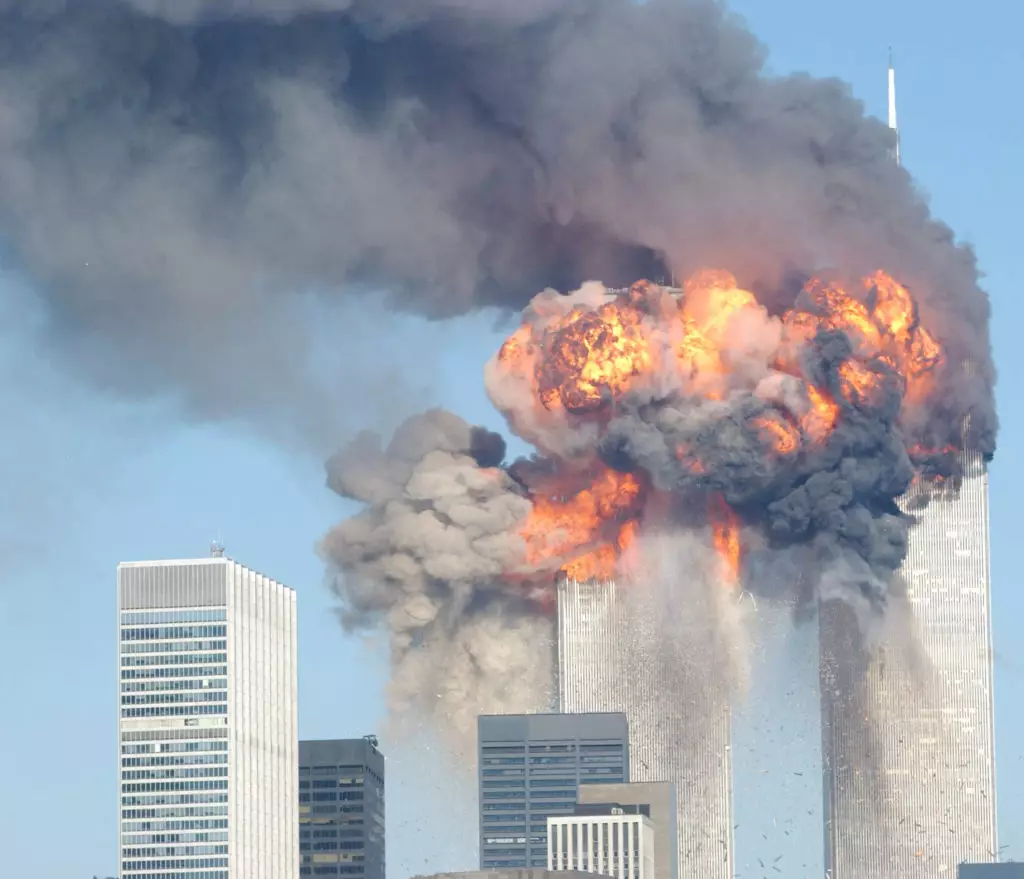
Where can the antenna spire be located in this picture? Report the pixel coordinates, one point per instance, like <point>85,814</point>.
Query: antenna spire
<point>892,107</point>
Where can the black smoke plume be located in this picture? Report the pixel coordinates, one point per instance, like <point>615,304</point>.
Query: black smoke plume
<point>176,176</point>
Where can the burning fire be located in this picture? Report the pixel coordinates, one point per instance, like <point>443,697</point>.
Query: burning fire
<point>725,528</point>
<point>587,528</point>
<point>574,357</point>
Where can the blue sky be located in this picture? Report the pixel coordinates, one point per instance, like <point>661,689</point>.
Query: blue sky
<point>90,480</point>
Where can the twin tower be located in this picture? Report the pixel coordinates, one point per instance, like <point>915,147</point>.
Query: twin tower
<point>908,773</point>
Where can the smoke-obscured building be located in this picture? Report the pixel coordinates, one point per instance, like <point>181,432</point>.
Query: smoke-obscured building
<point>611,657</point>
<point>531,766</point>
<point>207,722</point>
<point>341,808</point>
<point>909,773</point>
<point>609,839</point>
<point>659,798</point>
<point>990,871</point>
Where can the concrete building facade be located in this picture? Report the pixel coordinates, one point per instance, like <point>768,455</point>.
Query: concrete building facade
<point>659,798</point>
<point>207,722</point>
<point>530,768</point>
<point>613,841</point>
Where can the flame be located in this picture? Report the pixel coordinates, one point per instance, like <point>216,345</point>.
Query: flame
<point>725,529</point>
<point>592,355</point>
<point>582,531</point>
<point>778,433</point>
<point>575,357</point>
<point>821,417</point>
<point>859,385</point>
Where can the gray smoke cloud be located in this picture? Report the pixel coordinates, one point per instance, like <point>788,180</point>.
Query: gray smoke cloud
<point>176,175</point>
<point>836,501</point>
<point>428,559</point>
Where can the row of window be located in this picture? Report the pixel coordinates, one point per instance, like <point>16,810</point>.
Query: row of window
<point>329,782</point>
<point>513,840</point>
<point>165,747</point>
<point>184,772</point>
<point>568,748</point>
<point>195,811</point>
<point>177,786</point>
<point>355,769</point>
<point>329,870</point>
<point>550,807</point>
<point>173,647</point>
<point>172,659</point>
<point>174,710</point>
<point>155,838</point>
<point>331,809</point>
<point>166,686</point>
<point>180,760</point>
<point>331,796</point>
<point>205,615</point>
<point>188,824</point>
<point>329,832</point>
<point>170,633</point>
<point>153,677</point>
<point>163,698</point>
<point>172,800</point>
<point>205,874</point>
<point>190,864</point>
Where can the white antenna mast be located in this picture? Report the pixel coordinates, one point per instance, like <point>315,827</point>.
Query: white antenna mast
<point>892,107</point>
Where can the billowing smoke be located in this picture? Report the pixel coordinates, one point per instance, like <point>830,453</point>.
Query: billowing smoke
<point>432,557</point>
<point>178,177</point>
<point>181,179</point>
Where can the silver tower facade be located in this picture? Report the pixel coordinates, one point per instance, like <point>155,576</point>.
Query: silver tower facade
<point>612,657</point>
<point>909,771</point>
<point>907,728</point>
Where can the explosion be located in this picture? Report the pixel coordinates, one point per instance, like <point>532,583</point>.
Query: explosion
<point>839,357</point>
<point>774,437</point>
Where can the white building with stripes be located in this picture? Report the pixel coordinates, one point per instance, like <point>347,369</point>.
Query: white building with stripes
<point>207,722</point>
<point>618,845</point>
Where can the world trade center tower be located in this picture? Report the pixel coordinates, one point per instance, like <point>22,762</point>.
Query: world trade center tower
<point>615,654</point>
<point>907,727</point>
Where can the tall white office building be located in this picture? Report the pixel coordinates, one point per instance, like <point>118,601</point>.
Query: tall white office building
<point>207,729</point>
<point>618,653</point>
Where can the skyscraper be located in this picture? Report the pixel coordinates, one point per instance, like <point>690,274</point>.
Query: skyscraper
<point>907,729</point>
<point>207,723</point>
<point>613,657</point>
<point>531,766</point>
<point>341,808</point>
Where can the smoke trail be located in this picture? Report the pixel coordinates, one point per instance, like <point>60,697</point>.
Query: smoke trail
<point>173,173</point>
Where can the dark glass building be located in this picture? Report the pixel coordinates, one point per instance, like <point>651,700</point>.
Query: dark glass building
<point>341,808</point>
<point>530,767</point>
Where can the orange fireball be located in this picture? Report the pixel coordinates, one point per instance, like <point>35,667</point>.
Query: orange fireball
<point>575,358</point>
